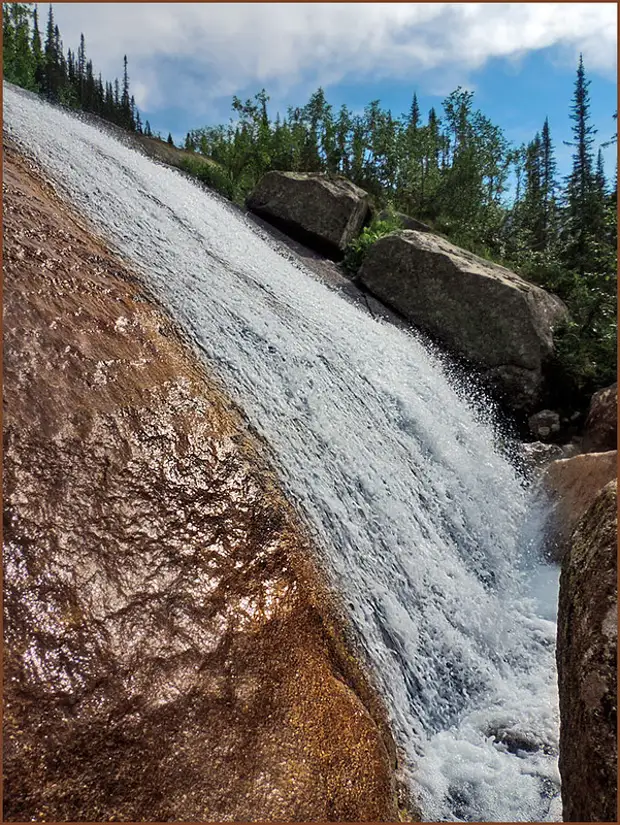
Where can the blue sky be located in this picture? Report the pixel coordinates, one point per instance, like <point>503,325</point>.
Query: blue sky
<point>187,60</point>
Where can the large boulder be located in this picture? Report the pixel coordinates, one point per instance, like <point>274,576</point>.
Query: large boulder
<point>586,654</point>
<point>323,212</point>
<point>573,484</point>
<point>478,309</point>
<point>601,427</point>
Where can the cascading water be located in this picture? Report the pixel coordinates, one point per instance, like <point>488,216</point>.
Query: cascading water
<point>422,520</point>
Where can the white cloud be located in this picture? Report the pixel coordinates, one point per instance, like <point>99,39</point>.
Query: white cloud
<point>190,54</point>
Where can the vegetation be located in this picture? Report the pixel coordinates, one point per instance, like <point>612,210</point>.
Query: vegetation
<point>68,79</point>
<point>454,169</point>
<point>378,227</point>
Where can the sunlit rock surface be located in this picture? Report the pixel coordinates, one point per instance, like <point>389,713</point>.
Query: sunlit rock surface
<point>587,653</point>
<point>169,651</point>
<point>573,484</point>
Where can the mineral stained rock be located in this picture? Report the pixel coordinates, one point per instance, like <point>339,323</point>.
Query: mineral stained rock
<point>171,653</point>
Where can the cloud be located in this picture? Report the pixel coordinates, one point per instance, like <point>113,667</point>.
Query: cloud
<point>192,54</point>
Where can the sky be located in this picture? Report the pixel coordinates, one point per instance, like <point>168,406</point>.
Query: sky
<point>187,60</point>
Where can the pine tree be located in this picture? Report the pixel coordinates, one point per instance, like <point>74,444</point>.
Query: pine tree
<point>127,120</point>
<point>81,69</point>
<point>147,129</point>
<point>89,88</point>
<point>343,133</point>
<point>581,195</point>
<point>37,52</point>
<point>533,207</point>
<point>51,68</point>
<point>434,137</point>
<point>548,184</point>
<point>600,181</point>
<point>116,109</point>
<point>134,114</point>
<point>8,43</point>
<point>170,141</point>
<point>414,114</point>
<point>23,68</point>
<point>99,96</point>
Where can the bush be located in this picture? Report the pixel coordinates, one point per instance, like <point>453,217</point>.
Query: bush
<point>586,344</point>
<point>356,251</point>
<point>210,174</point>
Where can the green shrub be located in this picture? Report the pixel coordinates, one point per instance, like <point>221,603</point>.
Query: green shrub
<point>357,249</point>
<point>586,343</point>
<point>210,174</point>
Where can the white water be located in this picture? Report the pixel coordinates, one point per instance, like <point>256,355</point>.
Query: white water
<point>422,521</point>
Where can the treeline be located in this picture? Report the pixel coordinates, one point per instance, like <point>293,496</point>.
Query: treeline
<point>40,64</point>
<point>453,169</point>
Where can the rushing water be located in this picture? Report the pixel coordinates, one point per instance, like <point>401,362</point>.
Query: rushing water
<point>424,523</point>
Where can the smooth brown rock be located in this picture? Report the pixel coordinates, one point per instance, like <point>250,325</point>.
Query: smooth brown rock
<point>171,652</point>
<point>601,427</point>
<point>476,308</point>
<point>573,484</point>
<point>323,212</point>
<point>586,654</point>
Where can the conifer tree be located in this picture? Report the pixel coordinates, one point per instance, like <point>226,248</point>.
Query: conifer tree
<point>81,68</point>
<point>601,183</point>
<point>581,190</point>
<point>37,52</point>
<point>52,66</point>
<point>24,67</point>
<point>549,184</point>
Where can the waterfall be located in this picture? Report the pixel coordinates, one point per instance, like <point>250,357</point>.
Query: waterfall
<point>424,526</point>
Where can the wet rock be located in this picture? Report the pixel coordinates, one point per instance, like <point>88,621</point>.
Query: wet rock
<point>478,309</point>
<point>171,652</point>
<point>544,424</point>
<point>571,449</point>
<point>518,741</point>
<point>587,665</point>
<point>324,212</point>
<point>573,484</point>
<point>601,427</point>
<point>537,455</point>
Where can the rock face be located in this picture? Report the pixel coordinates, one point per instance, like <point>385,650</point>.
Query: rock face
<point>573,484</point>
<point>601,428</point>
<point>587,665</point>
<point>170,651</point>
<point>479,310</point>
<point>325,213</point>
